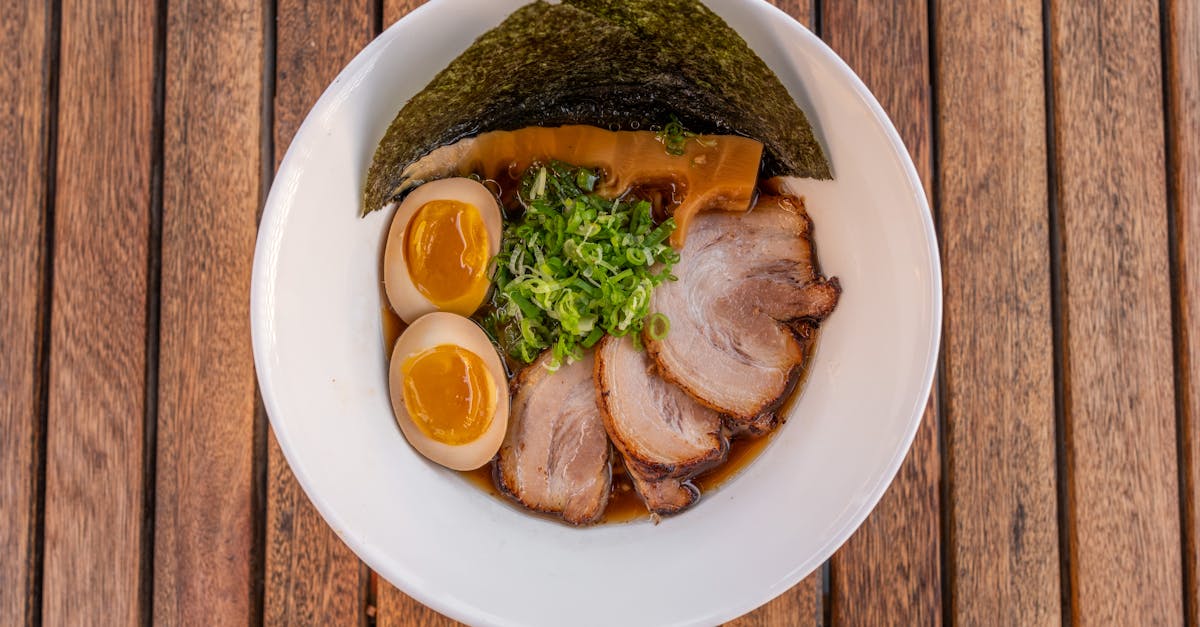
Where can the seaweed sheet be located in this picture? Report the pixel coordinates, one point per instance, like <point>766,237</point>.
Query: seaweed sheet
<point>617,64</point>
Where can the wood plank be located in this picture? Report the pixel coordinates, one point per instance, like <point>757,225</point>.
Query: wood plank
<point>1183,109</point>
<point>1124,532</point>
<point>94,441</point>
<point>24,86</point>
<point>396,609</point>
<point>797,607</point>
<point>889,571</point>
<point>393,10</point>
<point>205,521</point>
<point>998,370</point>
<point>312,578</point>
<point>802,604</point>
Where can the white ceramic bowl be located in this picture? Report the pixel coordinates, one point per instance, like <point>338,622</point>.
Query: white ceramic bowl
<point>318,350</point>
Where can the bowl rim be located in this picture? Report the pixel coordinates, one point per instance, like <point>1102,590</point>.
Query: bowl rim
<point>273,215</point>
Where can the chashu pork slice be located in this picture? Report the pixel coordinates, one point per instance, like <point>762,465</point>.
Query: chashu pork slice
<point>664,436</point>
<point>555,455</point>
<point>749,296</point>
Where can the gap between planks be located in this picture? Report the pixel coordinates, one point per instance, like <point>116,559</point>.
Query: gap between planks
<point>1062,463</point>
<point>1180,31</point>
<point>53,54</point>
<point>153,328</point>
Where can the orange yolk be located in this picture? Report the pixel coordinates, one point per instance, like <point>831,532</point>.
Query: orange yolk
<point>449,393</point>
<point>446,251</point>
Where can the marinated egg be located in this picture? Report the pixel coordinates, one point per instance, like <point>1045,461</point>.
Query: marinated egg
<point>439,248</point>
<point>449,391</point>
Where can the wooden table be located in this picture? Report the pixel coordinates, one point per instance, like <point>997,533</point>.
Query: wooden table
<point>1054,478</point>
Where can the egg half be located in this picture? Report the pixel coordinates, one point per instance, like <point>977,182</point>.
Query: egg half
<point>443,238</point>
<point>449,391</point>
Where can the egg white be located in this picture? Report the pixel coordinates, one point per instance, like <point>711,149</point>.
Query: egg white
<point>436,329</point>
<point>404,297</point>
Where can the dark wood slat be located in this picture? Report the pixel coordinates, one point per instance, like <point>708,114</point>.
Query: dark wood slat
<point>1002,553</point>
<point>889,571</point>
<point>802,11</point>
<point>797,607</point>
<point>205,523</point>
<point>396,609</point>
<point>312,578</point>
<point>94,440</point>
<point>802,604</point>
<point>1119,409</point>
<point>393,10</point>
<point>1183,99</point>
<point>24,87</point>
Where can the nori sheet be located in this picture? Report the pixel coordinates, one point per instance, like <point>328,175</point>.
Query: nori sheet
<point>608,63</point>
<point>697,43</point>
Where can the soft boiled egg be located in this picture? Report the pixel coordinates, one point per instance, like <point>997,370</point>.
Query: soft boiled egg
<point>449,391</point>
<point>443,238</point>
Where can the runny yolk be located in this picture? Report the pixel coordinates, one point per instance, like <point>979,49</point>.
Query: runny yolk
<point>449,393</point>
<point>446,251</point>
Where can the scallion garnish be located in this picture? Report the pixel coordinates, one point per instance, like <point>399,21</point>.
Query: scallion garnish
<point>577,266</point>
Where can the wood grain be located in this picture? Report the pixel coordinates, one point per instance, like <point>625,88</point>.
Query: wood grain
<point>396,609</point>
<point>393,10</point>
<point>94,440</point>
<point>1183,110</point>
<point>801,10</point>
<point>797,607</point>
<point>312,578</point>
<point>24,87</point>
<point>889,571</point>
<point>802,604</point>
<point>998,360</point>
<point>1124,534</point>
<point>204,532</point>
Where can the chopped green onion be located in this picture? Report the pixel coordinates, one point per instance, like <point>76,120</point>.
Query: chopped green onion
<point>575,267</point>
<point>657,326</point>
<point>675,138</point>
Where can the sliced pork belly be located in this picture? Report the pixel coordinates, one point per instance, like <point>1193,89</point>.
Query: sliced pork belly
<point>747,300</point>
<point>555,455</point>
<point>664,436</point>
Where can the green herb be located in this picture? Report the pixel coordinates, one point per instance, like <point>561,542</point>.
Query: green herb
<point>675,137</point>
<point>576,266</point>
<point>658,325</point>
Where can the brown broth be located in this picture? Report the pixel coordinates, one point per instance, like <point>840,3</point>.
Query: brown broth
<point>393,326</point>
<point>742,451</point>
<point>624,504</point>
<point>482,478</point>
